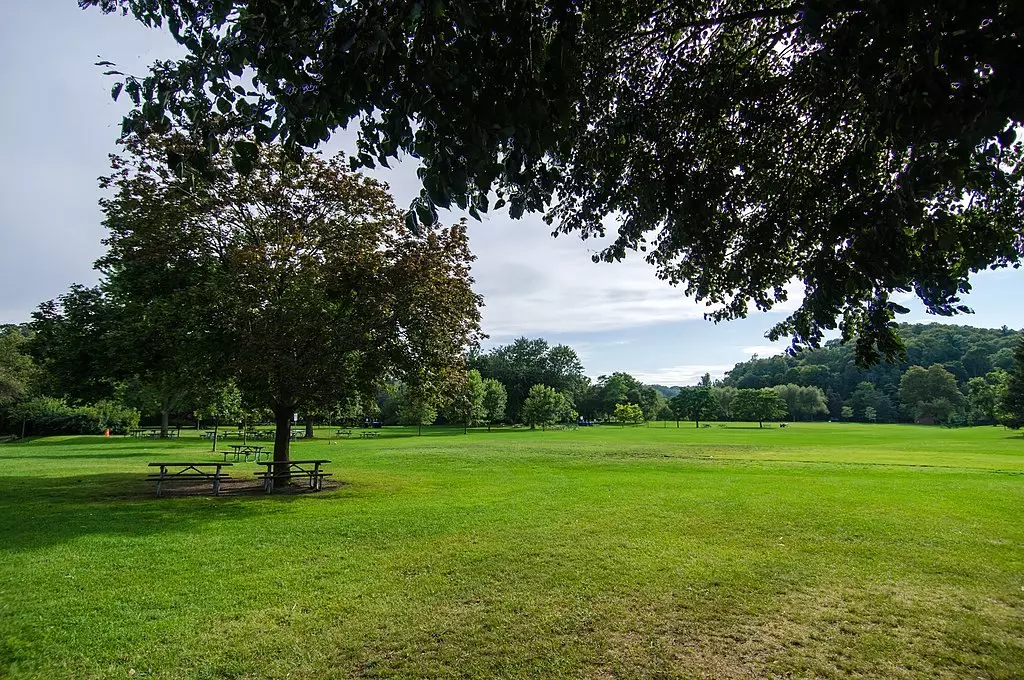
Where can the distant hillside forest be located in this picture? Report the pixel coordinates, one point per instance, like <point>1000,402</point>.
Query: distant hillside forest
<point>976,358</point>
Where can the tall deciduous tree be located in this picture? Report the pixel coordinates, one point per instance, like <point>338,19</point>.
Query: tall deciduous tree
<point>758,405</point>
<point>495,401</point>
<point>542,406</point>
<point>17,370</point>
<point>466,402</point>
<point>929,393</point>
<point>298,279</point>
<point>416,407</point>
<point>694,403</point>
<point>628,413</point>
<point>1013,401</point>
<point>72,345</point>
<point>761,140</point>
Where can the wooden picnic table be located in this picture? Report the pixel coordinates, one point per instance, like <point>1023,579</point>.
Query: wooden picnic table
<point>245,450</point>
<point>293,468</point>
<point>187,471</point>
<point>339,433</point>
<point>369,435</point>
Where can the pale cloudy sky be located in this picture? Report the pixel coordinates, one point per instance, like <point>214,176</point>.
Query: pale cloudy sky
<point>58,123</point>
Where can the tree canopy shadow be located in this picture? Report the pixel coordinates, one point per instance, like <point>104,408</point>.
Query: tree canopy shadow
<point>37,511</point>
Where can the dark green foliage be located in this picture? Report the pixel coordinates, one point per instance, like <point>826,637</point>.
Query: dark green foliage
<point>867,396</point>
<point>49,416</point>
<point>72,345</point>
<point>694,403</point>
<point>527,362</point>
<point>803,403</point>
<point>758,405</point>
<point>833,368</point>
<point>739,143</point>
<point>667,392</point>
<point>620,388</point>
<point>930,393</point>
<point>1013,402</point>
<point>17,370</point>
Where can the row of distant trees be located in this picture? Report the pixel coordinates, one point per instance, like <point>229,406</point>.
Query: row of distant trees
<point>978,359</point>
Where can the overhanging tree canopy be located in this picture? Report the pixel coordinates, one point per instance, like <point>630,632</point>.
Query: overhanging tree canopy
<point>861,147</point>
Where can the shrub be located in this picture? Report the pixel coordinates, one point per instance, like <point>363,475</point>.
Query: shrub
<point>49,415</point>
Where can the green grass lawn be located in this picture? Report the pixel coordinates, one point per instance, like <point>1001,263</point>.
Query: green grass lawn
<point>816,550</point>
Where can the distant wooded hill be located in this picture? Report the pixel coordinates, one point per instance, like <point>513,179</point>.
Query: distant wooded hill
<point>667,392</point>
<point>965,351</point>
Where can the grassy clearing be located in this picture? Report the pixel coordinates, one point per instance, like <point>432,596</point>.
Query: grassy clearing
<point>817,550</point>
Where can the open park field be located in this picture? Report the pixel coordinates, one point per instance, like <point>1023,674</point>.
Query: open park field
<point>817,550</point>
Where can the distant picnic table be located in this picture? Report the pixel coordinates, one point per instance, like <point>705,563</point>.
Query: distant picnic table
<point>309,469</point>
<point>246,450</point>
<point>369,435</point>
<point>175,472</point>
<point>151,432</point>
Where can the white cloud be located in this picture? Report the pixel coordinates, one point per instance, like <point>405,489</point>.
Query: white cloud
<point>687,374</point>
<point>534,284</point>
<point>764,351</point>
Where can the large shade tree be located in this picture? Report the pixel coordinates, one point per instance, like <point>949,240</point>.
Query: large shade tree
<point>859,147</point>
<point>694,403</point>
<point>930,393</point>
<point>297,280</point>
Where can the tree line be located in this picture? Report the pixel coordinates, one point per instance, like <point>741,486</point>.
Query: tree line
<point>948,373</point>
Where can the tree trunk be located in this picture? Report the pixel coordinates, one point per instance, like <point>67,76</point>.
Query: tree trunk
<point>165,418</point>
<point>282,440</point>
<point>309,427</point>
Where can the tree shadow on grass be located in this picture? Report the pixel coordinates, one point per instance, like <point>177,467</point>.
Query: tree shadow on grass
<point>37,512</point>
<point>92,441</point>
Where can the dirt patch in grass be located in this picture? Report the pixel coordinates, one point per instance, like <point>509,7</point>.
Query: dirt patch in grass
<point>827,632</point>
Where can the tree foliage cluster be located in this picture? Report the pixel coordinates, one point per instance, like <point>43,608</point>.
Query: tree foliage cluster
<point>971,355</point>
<point>526,362</point>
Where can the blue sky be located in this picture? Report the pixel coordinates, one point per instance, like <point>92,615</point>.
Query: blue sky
<point>57,125</point>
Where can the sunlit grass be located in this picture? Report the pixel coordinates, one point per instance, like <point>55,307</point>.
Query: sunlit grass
<point>820,550</point>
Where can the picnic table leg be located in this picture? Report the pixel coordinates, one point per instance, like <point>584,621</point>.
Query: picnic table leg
<point>159,482</point>
<point>216,482</point>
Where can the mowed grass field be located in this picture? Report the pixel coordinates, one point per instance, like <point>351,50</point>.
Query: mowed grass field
<point>818,550</point>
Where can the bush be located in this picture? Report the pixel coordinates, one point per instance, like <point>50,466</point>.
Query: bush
<point>118,417</point>
<point>48,415</point>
